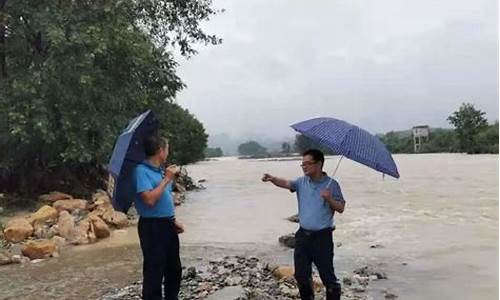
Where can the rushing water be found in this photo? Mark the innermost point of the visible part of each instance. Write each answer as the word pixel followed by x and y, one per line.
pixel 437 228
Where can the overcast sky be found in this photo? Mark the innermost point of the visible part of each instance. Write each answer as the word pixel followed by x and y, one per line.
pixel 383 65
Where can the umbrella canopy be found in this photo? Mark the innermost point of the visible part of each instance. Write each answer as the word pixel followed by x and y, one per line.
pixel 350 141
pixel 128 152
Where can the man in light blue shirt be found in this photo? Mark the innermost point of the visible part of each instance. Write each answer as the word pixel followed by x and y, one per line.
pixel 158 229
pixel 319 197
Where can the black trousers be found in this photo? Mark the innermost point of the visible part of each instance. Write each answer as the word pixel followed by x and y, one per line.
pixel 315 247
pixel 162 263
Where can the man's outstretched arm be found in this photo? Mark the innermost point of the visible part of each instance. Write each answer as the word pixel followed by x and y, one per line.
pixel 279 182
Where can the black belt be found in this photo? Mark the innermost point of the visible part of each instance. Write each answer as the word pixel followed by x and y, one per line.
pixel 317 232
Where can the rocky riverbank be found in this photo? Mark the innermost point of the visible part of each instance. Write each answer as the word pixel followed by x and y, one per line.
pixel 249 278
pixel 63 221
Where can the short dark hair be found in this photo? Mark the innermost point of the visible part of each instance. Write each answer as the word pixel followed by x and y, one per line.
pixel 316 154
pixel 153 143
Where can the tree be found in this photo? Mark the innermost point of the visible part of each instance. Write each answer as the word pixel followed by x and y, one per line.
pixel 487 139
pixel 72 73
pixel 251 148
pixel 286 148
pixel 468 122
pixel 213 152
pixel 397 142
pixel 303 143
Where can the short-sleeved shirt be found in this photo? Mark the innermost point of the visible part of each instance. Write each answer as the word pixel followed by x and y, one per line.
pixel 314 212
pixel 148 177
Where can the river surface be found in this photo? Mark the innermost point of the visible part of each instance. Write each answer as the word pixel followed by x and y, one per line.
pixel 436 229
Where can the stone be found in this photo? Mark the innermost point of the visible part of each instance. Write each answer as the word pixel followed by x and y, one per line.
pixel 177 199
pixel 43 232
pixel 115 218
pixel 294 218
pixel 45 215
pixel 70 205
pixel 66 226
pixel 101 197
pixel 389 295
pixel 39 249
pixel 85 233
pixel 227 293
pixel 17 230
pixel 284 273
pixel 60 241
pixel 101 229
pixel 53 197
pixel 191 272
pixel 180 188
pixel 317 283
pixel 5 259
pixel 288 240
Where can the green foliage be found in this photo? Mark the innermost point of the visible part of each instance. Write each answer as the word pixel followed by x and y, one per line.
pixel 468 122
pixel 486 141
pixel 441 140
pixel 73 73
pixel 397 143
pixel 303 143
pixel 213 152
pixel 251 148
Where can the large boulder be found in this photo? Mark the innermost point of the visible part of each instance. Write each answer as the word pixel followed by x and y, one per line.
pixel 17 230
pixel 85 233
pixel 70 205
pixel 53 197
pixel 45 215
pixel 39 249
pixel 66 226
pixel 101 229
pixel 115 218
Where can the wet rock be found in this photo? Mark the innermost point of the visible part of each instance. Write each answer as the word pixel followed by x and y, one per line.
pixel 85 233
pixel 389 295
pixel 288 240
pixel 17 230
pixel 66 226
pixel 361 280
pixel 45 215
pixel 100 197
pixel 284 273
pixel 178 199
pixel 43 232
pixel 5 259
pixel 19 259
pixel 366 271
pixel 294 218
pixel 191 272
pixel 228 293
pixel 53 197
pixel 39 249
pixel 180 188
pixel 115 218
pixel 101 229
pixel 70 205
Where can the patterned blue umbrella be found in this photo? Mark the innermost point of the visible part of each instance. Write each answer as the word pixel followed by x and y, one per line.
pixel 350 141
pixel 128 152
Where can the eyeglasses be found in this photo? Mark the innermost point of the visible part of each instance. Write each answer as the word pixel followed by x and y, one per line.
pixel 307 163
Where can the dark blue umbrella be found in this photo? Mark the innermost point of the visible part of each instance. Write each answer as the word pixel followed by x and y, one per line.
pixel 350 141
pixel 128 151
